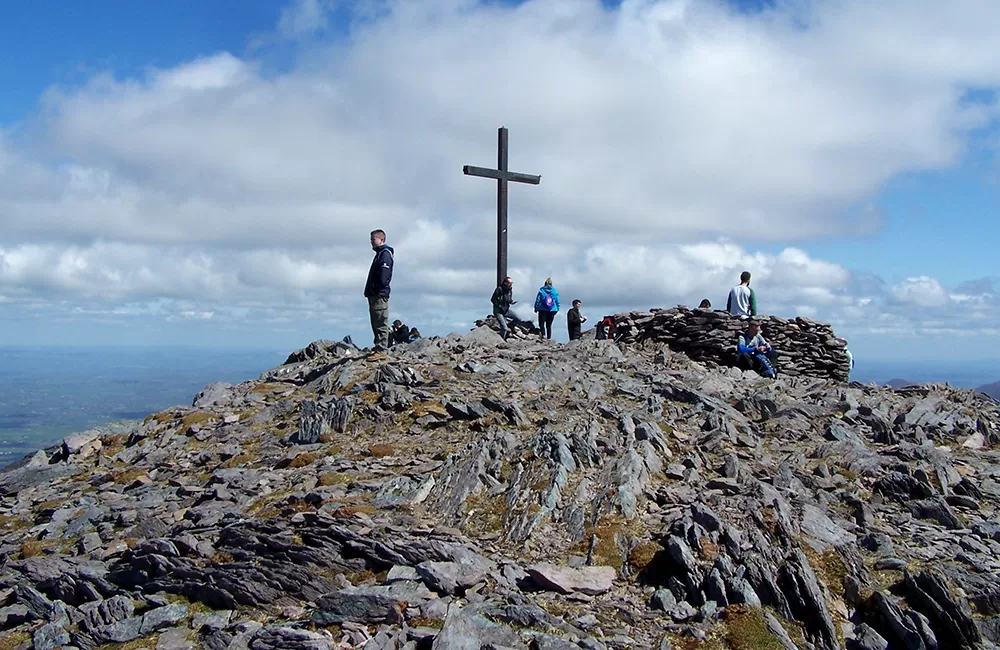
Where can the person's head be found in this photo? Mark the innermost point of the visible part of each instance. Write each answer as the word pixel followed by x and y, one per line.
pixel 548 282
pixel 397 324
pixel 753 328
pixel 377 238
pixel 705 304
pixel 508 282
pixel 414 332
pixel 745 277
pixel 577 304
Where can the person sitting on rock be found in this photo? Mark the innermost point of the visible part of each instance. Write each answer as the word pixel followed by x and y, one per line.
pixel 705 304
pixel 546 304
pixel 400 332
pixel 414 335
pixel 753 352
pixel 605 329
pixel 574 320
pixel 742 299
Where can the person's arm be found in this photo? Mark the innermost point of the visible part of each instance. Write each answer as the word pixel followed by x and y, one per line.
pixel 538 301
pixel 742 347
pixel 495 298
pixel 573 317
pixel 555 296
pixel 729 303
pixel 753 303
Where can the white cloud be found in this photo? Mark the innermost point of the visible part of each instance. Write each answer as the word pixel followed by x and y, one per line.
pixel 673 137
pixel 921 291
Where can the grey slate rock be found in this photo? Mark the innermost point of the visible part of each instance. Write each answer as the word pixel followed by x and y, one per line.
pixel 464 629
pixel 937 510
pixel 865 638
pixel 50 636
pixel 287 638
pixel 161 617
pixel 452 577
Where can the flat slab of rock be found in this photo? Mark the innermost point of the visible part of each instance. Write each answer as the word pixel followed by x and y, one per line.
pixel 590 580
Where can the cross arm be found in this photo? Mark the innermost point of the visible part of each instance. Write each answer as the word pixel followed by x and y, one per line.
pixel 470 170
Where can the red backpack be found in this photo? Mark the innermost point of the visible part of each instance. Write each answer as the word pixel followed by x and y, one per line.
pixel 606 329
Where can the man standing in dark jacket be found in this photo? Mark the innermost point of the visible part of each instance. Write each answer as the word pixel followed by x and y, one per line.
pixel 575 320
pixel 377 289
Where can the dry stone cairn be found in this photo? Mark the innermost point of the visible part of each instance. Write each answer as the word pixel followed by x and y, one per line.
pixel 805 347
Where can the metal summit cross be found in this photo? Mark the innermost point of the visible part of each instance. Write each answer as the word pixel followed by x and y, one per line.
pixel 502 175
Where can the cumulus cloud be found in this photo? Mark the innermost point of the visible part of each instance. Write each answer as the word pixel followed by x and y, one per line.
pixel 674 138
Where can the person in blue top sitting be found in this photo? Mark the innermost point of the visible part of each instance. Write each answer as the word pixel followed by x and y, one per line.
pixel 546 304
pixel 753 352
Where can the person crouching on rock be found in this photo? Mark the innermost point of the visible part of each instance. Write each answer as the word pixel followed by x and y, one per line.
pixel 502 299
pixel 400 332
pixel 753 352
pixel 414 335
pixel 574 320
pixel 547 305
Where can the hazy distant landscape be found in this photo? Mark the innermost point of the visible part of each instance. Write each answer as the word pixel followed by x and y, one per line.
pixel 47 393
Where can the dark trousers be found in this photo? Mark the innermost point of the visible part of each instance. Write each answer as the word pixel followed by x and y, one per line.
pixel 545 319
pixel 746 361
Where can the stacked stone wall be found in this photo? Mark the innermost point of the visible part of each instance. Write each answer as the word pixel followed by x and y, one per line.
pixel 805 347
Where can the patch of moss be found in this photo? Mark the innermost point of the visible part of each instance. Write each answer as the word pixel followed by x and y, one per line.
pixel 266 388
pixel 345 512
pixel 485 514
pixel 608 530
pixel 198 417
pixel 36 547
pixel 333 478
pixel 126 475
pixel 642 555
pixel 112 444
pixel 15 640
pixel 222 557
pixel 829 568
pixel 746 629
pixel 381 450
pixel 303 460
pixel 236 461
pixel 161 417
pixel 708 549
pixel 434 623
pixel 10 523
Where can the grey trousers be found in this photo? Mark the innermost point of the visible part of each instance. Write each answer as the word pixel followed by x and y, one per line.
pixel 378 309
pixel 502 322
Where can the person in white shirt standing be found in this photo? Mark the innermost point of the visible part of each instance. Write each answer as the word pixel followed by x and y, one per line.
pixel 742 300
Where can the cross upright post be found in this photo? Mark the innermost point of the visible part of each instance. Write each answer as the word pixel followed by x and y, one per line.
pixel 502 176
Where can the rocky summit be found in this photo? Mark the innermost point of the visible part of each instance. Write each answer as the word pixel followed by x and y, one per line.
pixel 469 493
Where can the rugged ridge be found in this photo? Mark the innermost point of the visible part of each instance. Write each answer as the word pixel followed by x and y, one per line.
pixel 467 492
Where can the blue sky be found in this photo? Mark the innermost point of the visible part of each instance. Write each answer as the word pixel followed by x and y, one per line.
pixel 206 173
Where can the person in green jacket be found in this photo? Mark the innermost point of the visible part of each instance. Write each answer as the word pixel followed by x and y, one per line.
pixel 502 300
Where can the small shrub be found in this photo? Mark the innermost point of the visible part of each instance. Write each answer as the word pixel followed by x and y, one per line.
pixel 381 450
pixel 303 460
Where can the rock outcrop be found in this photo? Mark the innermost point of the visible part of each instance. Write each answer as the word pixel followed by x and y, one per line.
pixel 467 492
pixel 805 347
